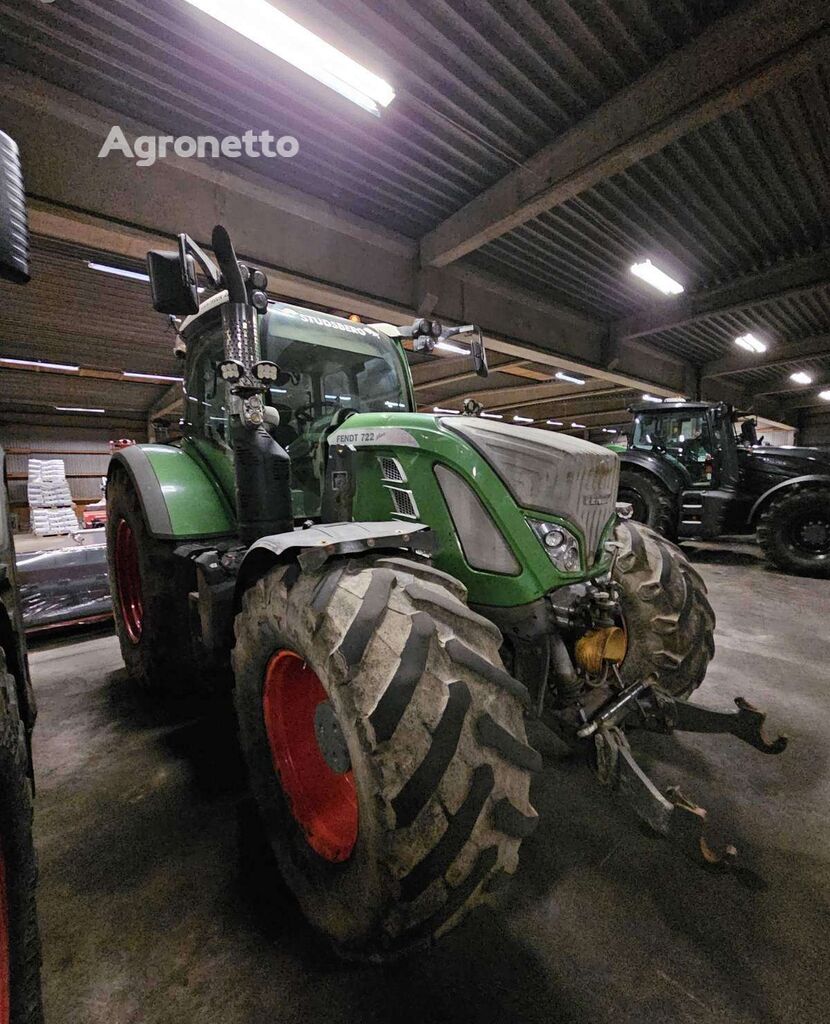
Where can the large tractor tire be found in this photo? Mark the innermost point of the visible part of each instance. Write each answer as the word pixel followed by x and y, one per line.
pixel 149 587
pixel 668 619
pixel 20 1001
pixel 794 532
pixel 652 502
pixel 386 749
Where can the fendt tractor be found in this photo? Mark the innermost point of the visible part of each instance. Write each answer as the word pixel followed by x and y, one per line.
pixel 20 998
pixel 688 473
pixel 395 593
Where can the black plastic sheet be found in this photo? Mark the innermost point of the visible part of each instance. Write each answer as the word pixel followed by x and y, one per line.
pixel 63 585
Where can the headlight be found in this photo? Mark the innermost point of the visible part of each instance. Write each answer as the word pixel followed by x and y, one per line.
pixel 561 545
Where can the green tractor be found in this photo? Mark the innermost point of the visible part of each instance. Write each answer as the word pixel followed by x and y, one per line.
pixel 395 594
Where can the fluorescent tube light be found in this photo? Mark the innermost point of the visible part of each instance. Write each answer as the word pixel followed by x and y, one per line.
pixel 561 375
pixel 35 364
pixel 579 426
pixel 394 405
pixel 801 378
pixel 522 419
pixel 656 278
pixel 151 377
pixel 825 395
pixel 75 408
pixel 133 275
pixel 445 346
pixel 750 343
pixel 608 430
pixel 445 412
pixel 263 24
pixel 493 415
pixel 554 423
pixel 652 398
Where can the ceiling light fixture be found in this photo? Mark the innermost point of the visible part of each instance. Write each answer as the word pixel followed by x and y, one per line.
pixel 801 378
pixel 522 419
pixel 651 398
pixel 446 347
pixel 579 426
pixel 263 24
pixel 554 423
pixel 825 395
pixel 608 430
pixel 76 408
pixel 493 415
pixel 561 375
pixel 34 364
pixel 103 268
pixel 445 412
pixel 162 377
pixel 750 343
pixel 657 278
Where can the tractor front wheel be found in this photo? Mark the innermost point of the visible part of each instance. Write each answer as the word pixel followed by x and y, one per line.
pixel 667 616
pixel 651 501
pixel 794 532
pixel 386 750
pixel 149 587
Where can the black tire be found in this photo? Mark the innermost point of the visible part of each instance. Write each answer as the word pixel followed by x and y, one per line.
pixel 435 734
pixel 160 659
pixel 781 536
pixel 19 861
pixel 668 618
pixel 652 502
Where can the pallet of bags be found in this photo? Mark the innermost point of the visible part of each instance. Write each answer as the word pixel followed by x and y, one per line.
pixel 48 522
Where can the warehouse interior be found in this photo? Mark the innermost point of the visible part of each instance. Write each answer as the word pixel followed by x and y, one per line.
pixel 526 160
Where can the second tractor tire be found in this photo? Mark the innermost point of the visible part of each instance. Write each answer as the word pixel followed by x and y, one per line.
pixel 668 619
pixel 652 502
pixel 780 532
pixel 434 731
pixel 149 587
pixel 19 935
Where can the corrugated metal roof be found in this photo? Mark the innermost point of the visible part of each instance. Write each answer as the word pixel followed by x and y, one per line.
pixel 479 88
pixel 736 196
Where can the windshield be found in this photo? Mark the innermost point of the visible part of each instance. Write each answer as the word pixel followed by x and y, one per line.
pixel 330 368
pixel 682 436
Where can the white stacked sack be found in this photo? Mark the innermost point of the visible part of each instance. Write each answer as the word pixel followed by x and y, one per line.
pixel 49 498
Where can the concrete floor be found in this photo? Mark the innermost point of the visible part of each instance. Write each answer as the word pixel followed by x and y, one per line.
pixel 147 916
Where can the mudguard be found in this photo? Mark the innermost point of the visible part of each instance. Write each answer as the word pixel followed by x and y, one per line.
pixel 672 478
pixel 179 497
pixel 785 485
pixel 313 546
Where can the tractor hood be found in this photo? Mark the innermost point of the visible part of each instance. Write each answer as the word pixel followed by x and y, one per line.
pixel 546 472
pixel 788 460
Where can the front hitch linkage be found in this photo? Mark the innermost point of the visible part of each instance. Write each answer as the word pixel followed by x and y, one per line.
pixel 671 814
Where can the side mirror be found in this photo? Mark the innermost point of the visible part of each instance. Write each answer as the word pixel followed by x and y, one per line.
pixel 173 282
pixel 14 230
pixel 479 354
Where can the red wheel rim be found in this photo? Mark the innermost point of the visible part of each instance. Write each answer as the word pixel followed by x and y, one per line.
pixel 128 578
pixel 323 802
pixel 5 974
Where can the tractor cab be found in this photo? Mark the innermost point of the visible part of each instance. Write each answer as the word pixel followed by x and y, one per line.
pixel 329 368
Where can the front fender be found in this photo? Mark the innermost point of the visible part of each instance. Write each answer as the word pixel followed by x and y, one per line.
pixel 179 498
pixel 670 476
pixel 785 485
pixel 313 546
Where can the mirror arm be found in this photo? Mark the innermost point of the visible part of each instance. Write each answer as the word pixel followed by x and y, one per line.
pixel 187 247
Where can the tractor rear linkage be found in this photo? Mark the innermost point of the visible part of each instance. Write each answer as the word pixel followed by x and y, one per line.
pixel 642 705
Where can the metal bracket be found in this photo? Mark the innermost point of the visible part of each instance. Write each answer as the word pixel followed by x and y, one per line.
pixel 672 815
pixel 746 724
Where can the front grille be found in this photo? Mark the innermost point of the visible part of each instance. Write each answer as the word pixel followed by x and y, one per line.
pixel 403 502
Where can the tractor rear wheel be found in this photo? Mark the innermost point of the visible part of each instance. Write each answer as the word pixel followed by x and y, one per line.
pixel 386 750
pixel 20 1001
pixel 668 619
pixel 149 587
pixel 652 503
pixel 794 532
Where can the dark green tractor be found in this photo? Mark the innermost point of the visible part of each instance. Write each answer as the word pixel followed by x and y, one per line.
pixel 395 594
